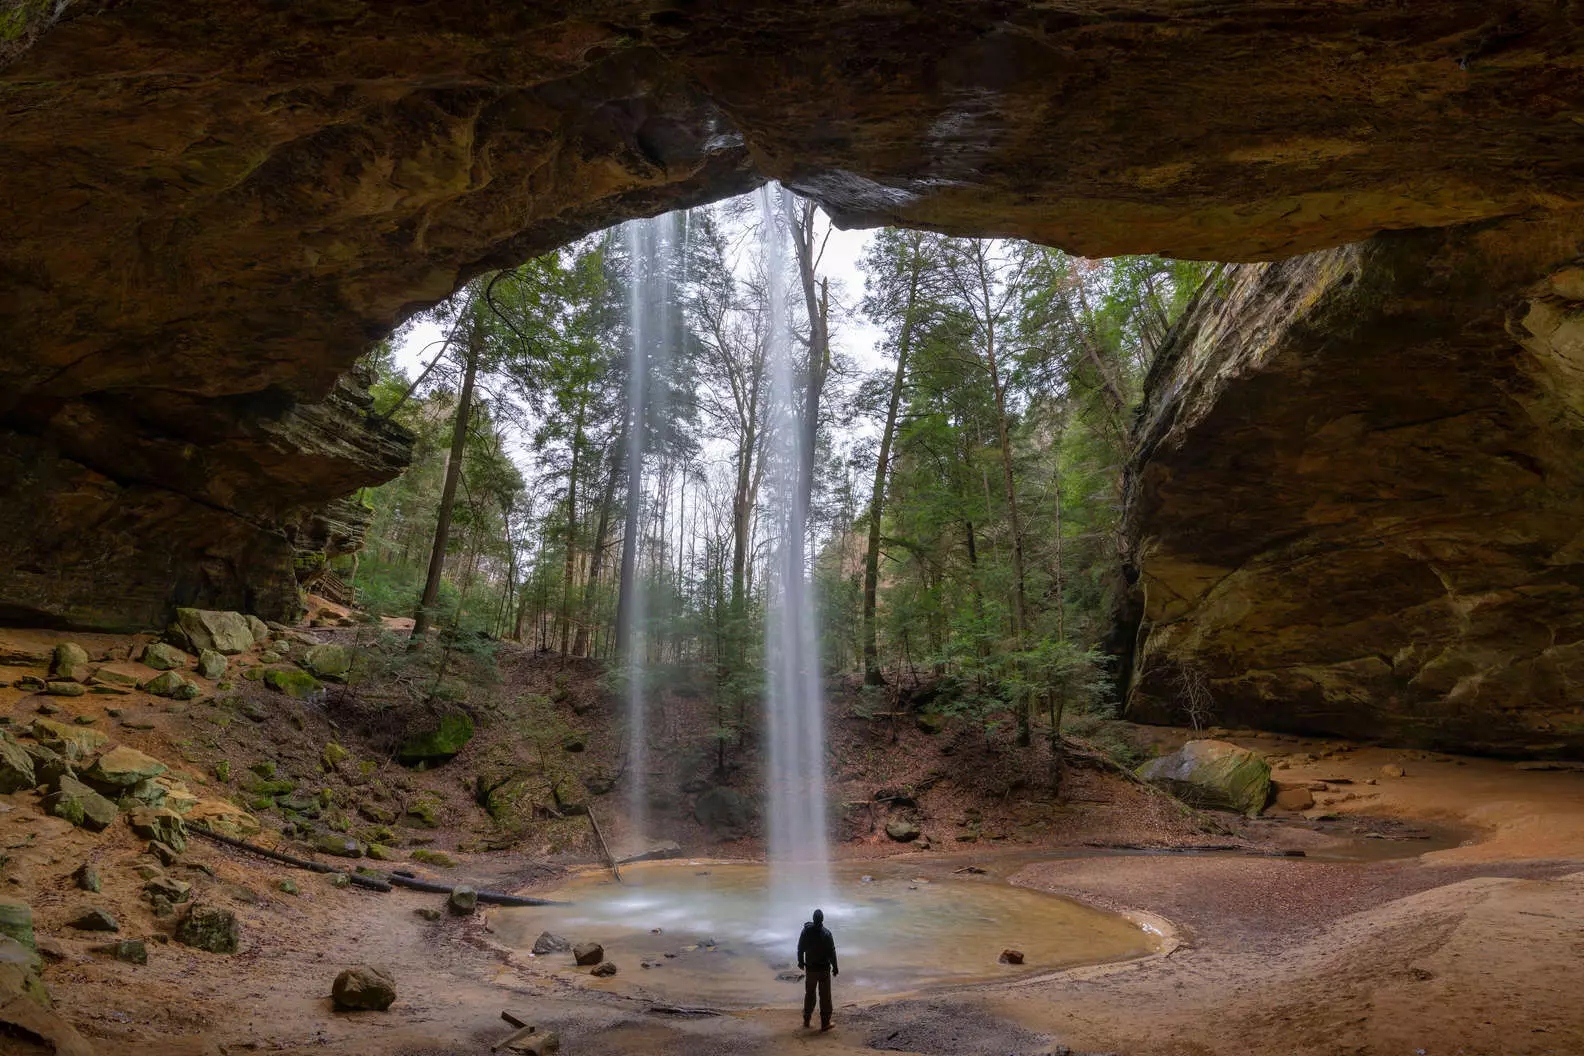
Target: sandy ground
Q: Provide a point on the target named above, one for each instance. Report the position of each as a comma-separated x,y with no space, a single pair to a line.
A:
1475,946
1471,949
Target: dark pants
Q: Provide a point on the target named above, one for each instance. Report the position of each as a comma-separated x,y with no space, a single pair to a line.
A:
820,982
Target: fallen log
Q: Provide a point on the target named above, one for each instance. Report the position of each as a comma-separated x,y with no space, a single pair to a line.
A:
492,897
368,882
681,1010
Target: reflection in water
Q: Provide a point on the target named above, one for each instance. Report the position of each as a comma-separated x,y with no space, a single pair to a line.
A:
895,933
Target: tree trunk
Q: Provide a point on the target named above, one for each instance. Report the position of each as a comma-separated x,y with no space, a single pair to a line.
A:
580,647
571,535
1020,598
871,642
431,592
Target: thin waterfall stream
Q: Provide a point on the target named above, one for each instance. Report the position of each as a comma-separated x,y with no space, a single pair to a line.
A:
799,840
653,324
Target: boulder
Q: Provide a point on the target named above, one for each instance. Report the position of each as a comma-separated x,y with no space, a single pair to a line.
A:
168,684
166,826
549,942
530,1041
445,740
1213,774
16,766
223,817
296,684
69,663
129,951
86,877
1011,957
169,888
178,797
724,812
122,767
329,661
48,764
116,675
587,953
73,801
210,928
16,922
94,919
212,665
604,970
463,900
163,657
339,846
363,988
224,632
260,629
73,742
902,831
166,855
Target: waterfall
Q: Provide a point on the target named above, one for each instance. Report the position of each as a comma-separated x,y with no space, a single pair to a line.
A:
653,336
799,849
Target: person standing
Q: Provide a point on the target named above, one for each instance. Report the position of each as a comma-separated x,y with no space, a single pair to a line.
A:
816,955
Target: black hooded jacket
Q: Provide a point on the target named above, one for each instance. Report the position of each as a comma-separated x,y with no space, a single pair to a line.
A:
817,948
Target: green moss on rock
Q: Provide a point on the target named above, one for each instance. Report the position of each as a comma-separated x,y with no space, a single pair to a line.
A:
443,742
297,684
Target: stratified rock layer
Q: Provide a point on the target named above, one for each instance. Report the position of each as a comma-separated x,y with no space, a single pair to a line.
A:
1358,503
211,210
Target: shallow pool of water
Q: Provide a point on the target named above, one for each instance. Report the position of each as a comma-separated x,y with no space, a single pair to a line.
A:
719,944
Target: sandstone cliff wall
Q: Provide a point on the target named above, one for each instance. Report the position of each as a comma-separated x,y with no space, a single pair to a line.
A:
1357,505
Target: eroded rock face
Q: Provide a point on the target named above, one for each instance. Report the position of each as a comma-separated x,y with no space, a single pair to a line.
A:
209,212
114,520
1358,506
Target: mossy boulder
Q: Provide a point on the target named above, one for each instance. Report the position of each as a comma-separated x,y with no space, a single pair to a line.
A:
329,661
260,629
73,801
166,826
48,765
212,665
902,831
65,689
210,928
163,657
16,921
425,812
333,755
439,859
165,685
69,662
296,684
74,742
123,767
224,632
443,742
16,765
339,846
1215,775
225,818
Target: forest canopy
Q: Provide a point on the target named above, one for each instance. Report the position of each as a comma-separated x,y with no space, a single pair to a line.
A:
964,505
